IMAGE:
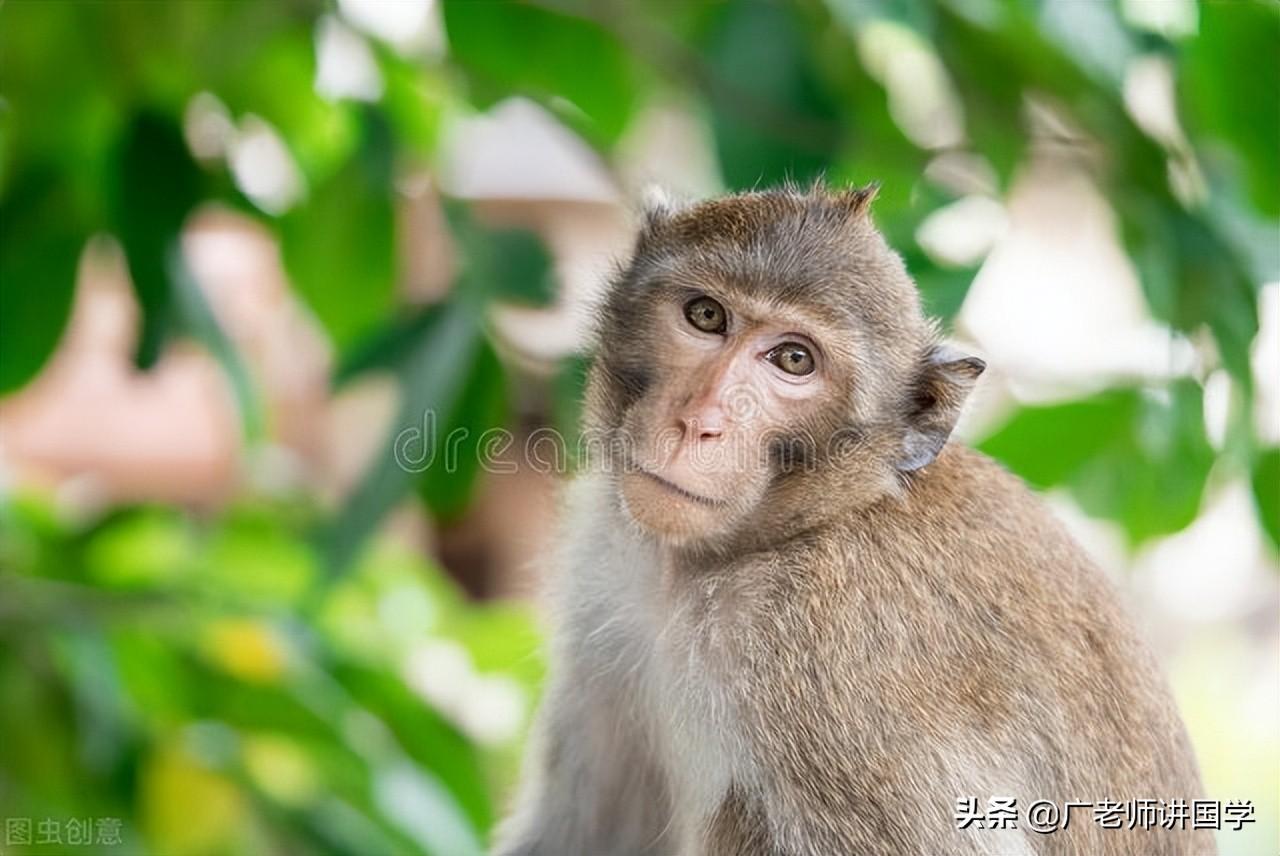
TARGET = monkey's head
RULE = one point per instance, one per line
(762, 363)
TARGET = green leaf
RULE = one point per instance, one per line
(388, 346)
(151, 673)
(519, 267)
(985, 63)
(252, 559)
(339, 245)
(197, 319)
(447, 482)
(36, 716)
(142, 548)
(1152, 478)
(40, 243)
(1191, 277)
(942, 289)
(997, 61)
(521, 48)
(425, 736)
(1135, 457)
(503, 263)
(156, 185)
(1236, 101)
(855, 14)
(772, 114)
(496, 263)
(1048, 445)
(1266, 492)
(60, 105)
(432, 378)
(105, 733)
(501, 638)
(276, 81)
(415, 100)
(1255, 240)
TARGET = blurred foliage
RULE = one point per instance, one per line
(234, 660)
(1132, 455)
(151, 661)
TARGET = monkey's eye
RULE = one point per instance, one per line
(792, 358)
(706, 314)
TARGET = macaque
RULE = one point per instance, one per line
(791, 618)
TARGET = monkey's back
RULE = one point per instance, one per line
(985, 632)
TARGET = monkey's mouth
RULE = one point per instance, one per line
(679, 491)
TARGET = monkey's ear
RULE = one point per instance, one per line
(657, 209)
(856, 201)
(945, 379)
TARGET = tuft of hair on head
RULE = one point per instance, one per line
(856, 201)
(657, 204)
(657, 209)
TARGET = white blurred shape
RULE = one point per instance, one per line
(519, 151)
(345, 67)
(236, 262)
(494, 710)
(8, 478)
(421, 807)
(1215, 569)
(208, 126)
(963, 232)
(586, 239)
(406, 24)
(1057, 304)
(1265, 359)
(489, 708)
(82, 498)
(921, 99)
(669, 145)
(406, 611)
(1149, 98)
(1092, 33)
(263, 168)
(440, 671)
(356, 417)
(1170, 18)
(1217, 407)
(275, 469)
(962, 173)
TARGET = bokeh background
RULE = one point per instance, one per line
(245, 246)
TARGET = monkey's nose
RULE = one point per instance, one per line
(702, 427)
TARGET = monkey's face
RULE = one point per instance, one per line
(733, 383)
(762, 361)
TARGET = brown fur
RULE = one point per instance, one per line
(886, 626)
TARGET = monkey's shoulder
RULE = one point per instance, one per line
(966, 578)
(965, 507)
(963, 534)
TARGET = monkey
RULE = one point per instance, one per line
(791, 615)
